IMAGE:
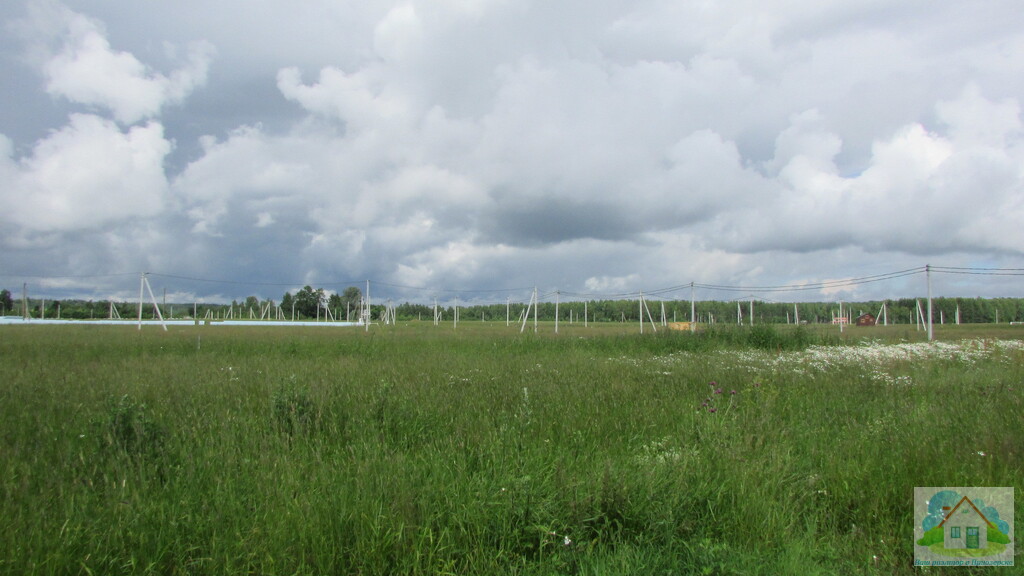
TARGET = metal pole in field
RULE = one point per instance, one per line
(557, 295)
(693, 310)
(536, 303)
(526, 315)
(142, 284)
(584, 313)
(156, 308)
(508, 311)
(641, 311)
(928, 276)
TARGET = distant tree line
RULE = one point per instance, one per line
(311, 303)
(303, 305)
(308, 303)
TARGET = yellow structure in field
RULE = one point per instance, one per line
(680, 326)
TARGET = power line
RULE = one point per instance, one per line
(979, 271)
(69, 276)
(245, 283)
(658, 293)
(814, 285)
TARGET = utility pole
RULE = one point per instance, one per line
(557, 298)
(536, 303)
(641, 311)
(693, 310)
(928, 276)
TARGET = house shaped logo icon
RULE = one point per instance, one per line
(963, 526)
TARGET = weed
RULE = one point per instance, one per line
(127, 427)
(294, 411)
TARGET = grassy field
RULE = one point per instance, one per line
(425, 450)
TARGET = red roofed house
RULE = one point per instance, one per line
(965, 526)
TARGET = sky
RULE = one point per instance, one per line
(480, 148)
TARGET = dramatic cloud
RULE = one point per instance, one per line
(86, 176)
(85, 69)
(590, 147)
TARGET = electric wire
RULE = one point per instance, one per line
(570, 296)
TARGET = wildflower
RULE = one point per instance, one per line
(980, 453)
(566, 541)
(718, 390)
(712, 409)
(732, 392)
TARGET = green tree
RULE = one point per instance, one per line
(335, 304)
(351, 298)
(286, 303)
(6, 301)
(308, 300)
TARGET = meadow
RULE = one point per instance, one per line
(418, 449)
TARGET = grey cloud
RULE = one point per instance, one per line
(496, 143)
(533, 222)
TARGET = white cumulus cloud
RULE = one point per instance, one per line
(87, 175)
(85, 69)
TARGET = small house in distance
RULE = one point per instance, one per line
(865, 320)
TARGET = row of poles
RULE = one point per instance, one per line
(389, 314)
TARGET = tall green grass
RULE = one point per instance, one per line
(427, 450)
